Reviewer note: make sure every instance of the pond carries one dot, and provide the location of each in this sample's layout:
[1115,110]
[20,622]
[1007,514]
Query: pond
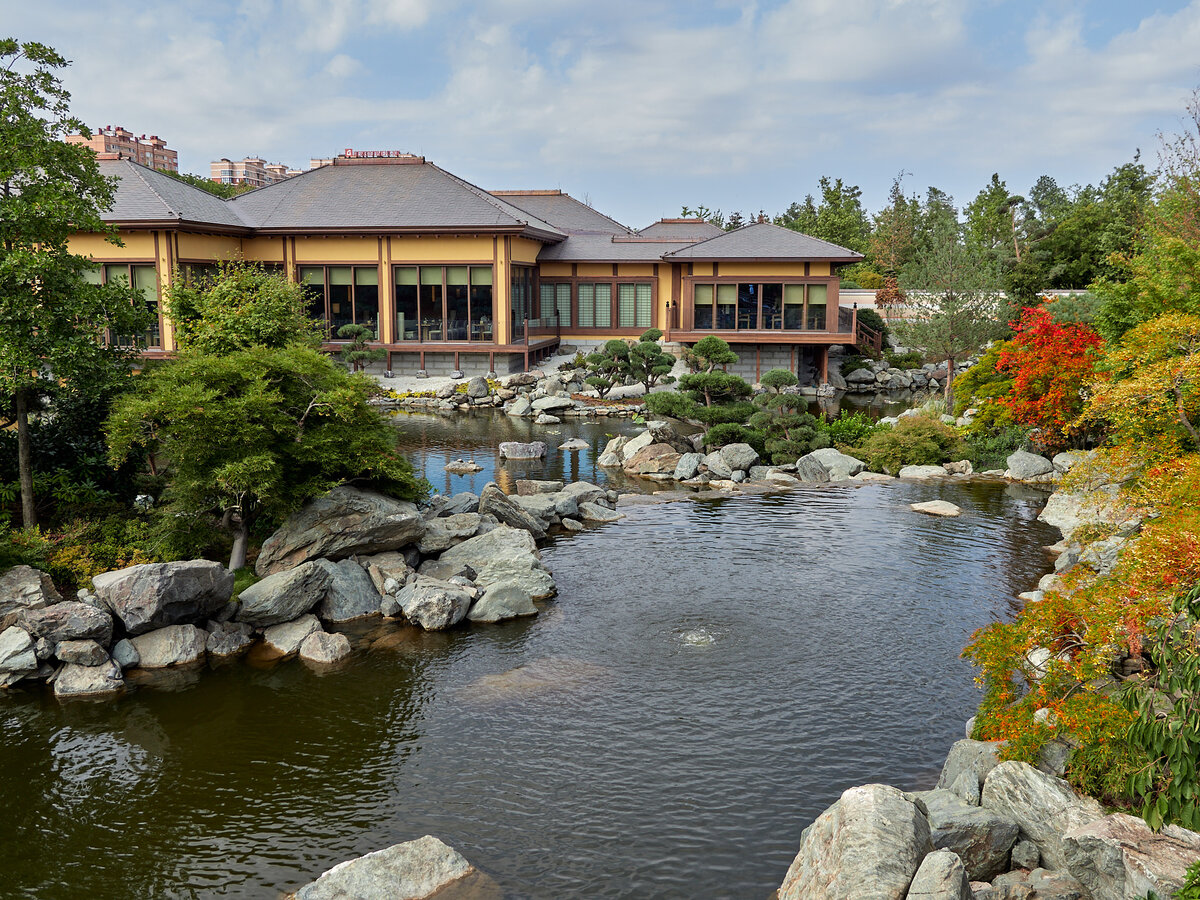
[712,675]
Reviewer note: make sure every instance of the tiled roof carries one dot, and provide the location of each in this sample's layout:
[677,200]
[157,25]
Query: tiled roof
[682,230]
[410,195]
[144,195]
[764,241]
[608,248]
[563,211]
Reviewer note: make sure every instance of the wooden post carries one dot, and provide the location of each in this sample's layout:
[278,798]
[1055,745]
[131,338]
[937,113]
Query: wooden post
[825,364]
[758,362]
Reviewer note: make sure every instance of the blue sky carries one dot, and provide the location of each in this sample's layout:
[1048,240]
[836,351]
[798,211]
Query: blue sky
[640,106]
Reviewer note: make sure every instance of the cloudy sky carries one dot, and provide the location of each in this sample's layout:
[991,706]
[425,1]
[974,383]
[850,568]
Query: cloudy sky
[640,106]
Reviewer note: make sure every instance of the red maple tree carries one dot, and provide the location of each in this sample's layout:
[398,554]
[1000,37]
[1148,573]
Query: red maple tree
[1051,362]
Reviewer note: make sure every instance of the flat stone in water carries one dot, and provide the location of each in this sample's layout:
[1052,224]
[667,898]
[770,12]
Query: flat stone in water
[937,508]
[537,677]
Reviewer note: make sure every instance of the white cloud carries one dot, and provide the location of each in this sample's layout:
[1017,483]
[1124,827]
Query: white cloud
[343,66]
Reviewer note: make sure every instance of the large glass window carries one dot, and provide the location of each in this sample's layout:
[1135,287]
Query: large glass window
[481,303]
[747,303]
[433,318]
[772,306]
[595,307]
[342,295]
[727,306]
[627,306]
[556,301]
[793,306]
[144,281]
[817,294]
[753,306]
[458,291]
[703,317]
[407,320]
[520,300]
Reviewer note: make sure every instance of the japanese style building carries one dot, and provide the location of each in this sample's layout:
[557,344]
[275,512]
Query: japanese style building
[450,276]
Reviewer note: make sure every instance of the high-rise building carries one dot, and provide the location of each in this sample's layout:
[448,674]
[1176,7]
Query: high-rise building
[252,170]
[150,151]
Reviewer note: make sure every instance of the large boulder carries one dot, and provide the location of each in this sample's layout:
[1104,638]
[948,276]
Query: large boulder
[519,450]
[941,876]
[17,655]
[634,444]
[549,404]
[611,457]
[809,468]
[351,593]
[81,653]
[717,467]
[739,457]
[655,459]
[285,639]
[503,555]
[688,466]
[478,388]
[67,621]
[410,871]
[175,645]
[23,587]
[982,838]
[444,532]
[1120,858]
[1068,511]
[462,502]
[493,501]
[1023,466]
[344,522]
[75,680]
[432,604]
[975,758]
[502,601]
[227,639]
[155,595]
[594,512]
[285,595]
[922,472]
[866,846]
[520,407]
[840,466]
[1043,806]
[540,506]
[584,492]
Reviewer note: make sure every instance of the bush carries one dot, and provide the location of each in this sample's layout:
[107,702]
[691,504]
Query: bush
[990,448]
[672,404]
[854,363]
[910,360]
[984,384]
[913,441]
[872,319]
[777,379]
[730,433]
[849,430]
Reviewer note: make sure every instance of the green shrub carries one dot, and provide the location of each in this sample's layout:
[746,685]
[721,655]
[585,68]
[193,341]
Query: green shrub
[1190,890]
[1104,771]
[788,435]
[983,383]
[777,379]
[849,429]
[670,403]
[990,448]
[913,441]
[910,360]
[737,413]
[729,433]
[854,363]
[872,319]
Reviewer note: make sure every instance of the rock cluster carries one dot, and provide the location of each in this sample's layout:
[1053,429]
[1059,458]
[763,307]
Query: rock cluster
[989,831]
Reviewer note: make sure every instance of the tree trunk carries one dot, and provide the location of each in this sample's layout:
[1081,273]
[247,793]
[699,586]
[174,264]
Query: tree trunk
[237,556]
[950,386]
[25,462]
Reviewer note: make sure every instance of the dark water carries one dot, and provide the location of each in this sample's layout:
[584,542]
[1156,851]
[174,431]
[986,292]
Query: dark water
[591,752]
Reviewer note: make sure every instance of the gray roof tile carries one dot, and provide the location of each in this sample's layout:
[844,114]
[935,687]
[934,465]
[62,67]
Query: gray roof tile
[563,211]
[682,230]
[765,241]
[608,248]
[144,195]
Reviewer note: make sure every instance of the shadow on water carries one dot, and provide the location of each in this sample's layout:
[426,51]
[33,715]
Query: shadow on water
[712,675]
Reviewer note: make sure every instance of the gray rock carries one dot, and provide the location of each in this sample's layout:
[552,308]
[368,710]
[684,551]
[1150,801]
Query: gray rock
[541,506]
[966,788]
[634,444]
[549,404]
[413,870]
[574,444]
[839,466]
[1025,855]
[444,532]
[585,492]
[546,419]
[982,838]
[688,466]
[23,587]
[286,638]
[175,645]
[1023,465]
[75,680]
[285,595]
[739,457]
[717,467]
[565,504]
[382,567]
[571,524]
[477,388]
[227,639]
[1043,806]
[611,458]
[437,570]
[809,468]
[69,620]
[503,555]
[528,487]
[941,876]
[502,601]
[351,593]
[494,502]
[44,649]
[81,653]
[520,407]
[345,522]
[320,647]
[1065,461]
[155,595]
[462,502]
[941,508]
[1067,511]
[124,654]
[593,512]
[873,835]
[17,655]
[1038,884]
[962,467]
[1119,858]
[975,757]
[860,376]
[519,450]
[922,472]
[431,604]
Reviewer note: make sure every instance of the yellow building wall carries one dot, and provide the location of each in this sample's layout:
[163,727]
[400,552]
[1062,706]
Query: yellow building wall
[440,249]
[525,251]
[630,270]
[208,247]
[502,290]
[139,245]
[352,249]
[595,270]
[263,249]
[555,270]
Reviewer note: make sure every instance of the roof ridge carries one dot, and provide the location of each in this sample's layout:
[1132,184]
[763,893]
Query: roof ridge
[150,187]
[561,193]
[232,201]
[497,203]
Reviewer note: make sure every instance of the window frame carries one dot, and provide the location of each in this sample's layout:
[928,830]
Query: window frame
[397,336]
[829,282]
[139,340]
[330,337]
[574,282]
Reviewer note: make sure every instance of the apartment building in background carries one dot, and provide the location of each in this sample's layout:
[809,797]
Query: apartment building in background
[150,151]
[252,170]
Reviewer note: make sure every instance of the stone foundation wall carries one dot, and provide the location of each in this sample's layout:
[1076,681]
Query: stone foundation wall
[440,365]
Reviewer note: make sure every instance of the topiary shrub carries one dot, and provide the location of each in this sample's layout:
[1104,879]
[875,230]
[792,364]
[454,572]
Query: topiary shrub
[854,363]
[730,433]
[913,441]
[778,379]
[788,434]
